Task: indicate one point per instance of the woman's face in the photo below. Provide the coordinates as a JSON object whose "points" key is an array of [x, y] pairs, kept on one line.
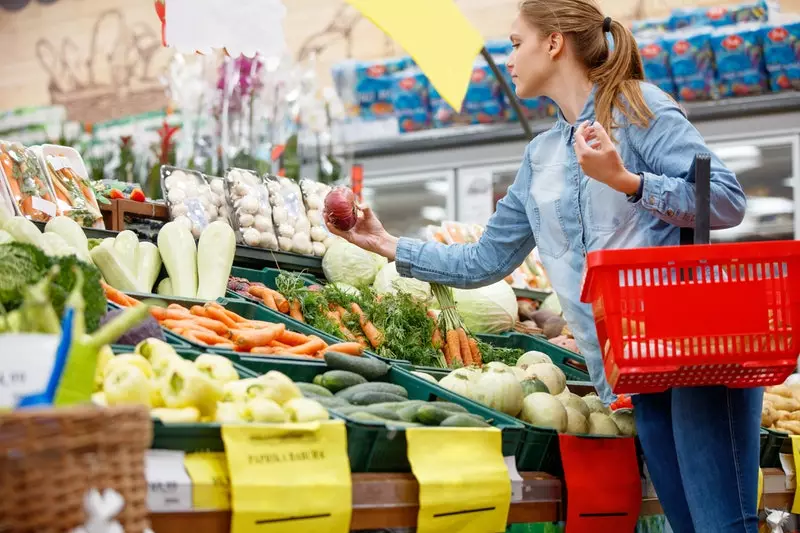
{"points": [[530, 63]]}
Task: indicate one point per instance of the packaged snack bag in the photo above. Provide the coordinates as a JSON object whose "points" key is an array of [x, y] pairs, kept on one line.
{"points": [[750, 12], [650, 25], [410, 100], [781, 41], [27, 182], [482, 104], [739, 58], [655, 59], [692, 62], [370, 85]]}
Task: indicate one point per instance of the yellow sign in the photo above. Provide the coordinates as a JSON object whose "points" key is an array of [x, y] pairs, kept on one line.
{"points": [[436, 34], [287, 478], [464, 486], [796, 454], [760, 488], [211, 488]]}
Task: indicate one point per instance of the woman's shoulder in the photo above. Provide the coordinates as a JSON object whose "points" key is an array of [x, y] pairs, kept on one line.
{"points": [[546, 147], [656, 99]]}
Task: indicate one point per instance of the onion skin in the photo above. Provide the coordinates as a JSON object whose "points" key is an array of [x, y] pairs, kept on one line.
{"points": [[340, 209]]}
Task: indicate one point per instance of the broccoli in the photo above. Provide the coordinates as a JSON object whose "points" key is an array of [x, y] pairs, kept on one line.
{"points": [[22, 265]]}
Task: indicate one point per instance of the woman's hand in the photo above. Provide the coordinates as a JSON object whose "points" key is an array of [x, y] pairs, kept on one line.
{"points": [[369, 234], [600, 160]]}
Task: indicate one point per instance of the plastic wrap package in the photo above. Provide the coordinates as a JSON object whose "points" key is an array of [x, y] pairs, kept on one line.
{"points": [[739, 58], [69, 179], [188, 198], [250, 209], [692, 63], [781, 40], [28, 184], [218, 198], [314, 193], [6, 203], [289, 216]]}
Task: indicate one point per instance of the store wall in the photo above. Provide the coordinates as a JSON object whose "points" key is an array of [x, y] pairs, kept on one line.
{"points": [[102, 58]]}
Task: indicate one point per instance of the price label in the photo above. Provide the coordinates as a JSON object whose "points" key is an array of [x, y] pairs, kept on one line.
{"points": [[464, 486], [22, 376], [169, 487], [289, 477], [516, 479], [45, 206], [211, 487]]}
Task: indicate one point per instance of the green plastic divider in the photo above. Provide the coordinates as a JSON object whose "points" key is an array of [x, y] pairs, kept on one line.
{"points": [[194, 437], [374, 448]]}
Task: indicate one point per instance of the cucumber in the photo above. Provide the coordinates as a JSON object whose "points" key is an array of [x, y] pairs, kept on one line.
{"points": [[366, 418], [463, 421], [369, 398], [331, 403], [373, 387], [336, 380], [311, 388], [393, 424], [430, 415], [409, 413], [386, 414], [452, 407], [398, 406], [317, 380], [371, 369]]}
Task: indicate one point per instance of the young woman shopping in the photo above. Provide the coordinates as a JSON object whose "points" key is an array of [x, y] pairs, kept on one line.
{"points": [[614, 172]]}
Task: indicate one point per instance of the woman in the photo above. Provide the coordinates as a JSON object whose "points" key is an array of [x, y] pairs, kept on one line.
{"points": [[614, 172]]}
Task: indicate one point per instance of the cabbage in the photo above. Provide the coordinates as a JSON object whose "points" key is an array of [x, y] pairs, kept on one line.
{"points": [[552, 304], [388, 281], [491, 309], [347, 263]]}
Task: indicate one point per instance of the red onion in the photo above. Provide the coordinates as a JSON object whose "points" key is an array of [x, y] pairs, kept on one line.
{"points": [[340, 208]]}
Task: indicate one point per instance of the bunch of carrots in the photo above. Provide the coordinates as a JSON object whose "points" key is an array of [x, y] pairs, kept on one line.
{"points": [[213, 325], [458, 346], [269, 297]]}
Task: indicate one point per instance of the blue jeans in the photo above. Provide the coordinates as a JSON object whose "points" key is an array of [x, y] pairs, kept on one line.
{"points": [[701, 446]]}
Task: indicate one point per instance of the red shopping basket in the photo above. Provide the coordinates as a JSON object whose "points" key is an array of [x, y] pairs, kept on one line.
{"points": [[684, 316]]}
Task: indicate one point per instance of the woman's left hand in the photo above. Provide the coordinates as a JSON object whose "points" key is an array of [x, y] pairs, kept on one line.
{"points": [[599, 159]]}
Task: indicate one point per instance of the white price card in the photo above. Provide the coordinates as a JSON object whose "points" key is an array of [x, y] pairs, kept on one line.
{"points": [[516, 479], [169, 487], [45, 206], [24, 375]]}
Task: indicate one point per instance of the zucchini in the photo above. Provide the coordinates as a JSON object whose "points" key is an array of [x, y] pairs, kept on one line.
{"points": [[369, 398], [312, 388], [452, 407], [463, 421], [336, 380], [430, 415], [371, 369], [373, 387], [409, 413], [317, 380]]}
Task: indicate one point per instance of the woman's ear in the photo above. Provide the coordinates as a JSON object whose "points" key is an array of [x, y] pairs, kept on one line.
{"points": [[555, 44]]}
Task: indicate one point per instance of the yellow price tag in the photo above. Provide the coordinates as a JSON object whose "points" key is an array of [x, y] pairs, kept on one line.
{"points": [[760, 488], [464, 485], [796, 454], [289, 477], [211, 488]]}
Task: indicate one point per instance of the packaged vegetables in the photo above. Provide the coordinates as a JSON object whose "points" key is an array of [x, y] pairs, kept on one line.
{"points": [[189, 199], [314, 193], [251, 211], [289, 216], [28, 184], [75, 197]]}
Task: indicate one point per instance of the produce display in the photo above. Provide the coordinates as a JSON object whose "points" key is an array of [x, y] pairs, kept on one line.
{"points": [[535, 390], [781, 407], [314, 195], [207, 389], [28, 185], [289, 216], [251, 211], [74, 194], [190, 199]]}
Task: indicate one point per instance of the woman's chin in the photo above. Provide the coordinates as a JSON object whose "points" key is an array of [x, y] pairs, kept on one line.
{"points": [[524, 93]]}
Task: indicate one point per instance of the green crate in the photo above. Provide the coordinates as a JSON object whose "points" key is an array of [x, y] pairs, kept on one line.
{"points": [[762, 445], [250, 257], [266, 276], [374, 448], [777, 442], [195, 437]]}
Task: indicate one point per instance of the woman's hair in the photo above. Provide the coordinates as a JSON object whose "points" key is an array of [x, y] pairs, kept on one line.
{"points": [[616, 74]]}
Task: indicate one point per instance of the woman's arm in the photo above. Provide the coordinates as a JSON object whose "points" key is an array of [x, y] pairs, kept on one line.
{"points": [[504, 245]]}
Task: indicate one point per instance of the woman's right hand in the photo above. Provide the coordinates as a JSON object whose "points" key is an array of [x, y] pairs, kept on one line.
{"points": [[369, 234]]}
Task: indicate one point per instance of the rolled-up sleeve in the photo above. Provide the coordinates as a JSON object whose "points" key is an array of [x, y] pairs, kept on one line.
{"points": [[504, 245]]}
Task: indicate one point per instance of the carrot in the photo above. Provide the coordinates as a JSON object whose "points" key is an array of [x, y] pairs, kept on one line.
{"points": [[463, 344], [295, 311], [311, 347], [336, 319], [209, 338], [436, 338], [250, 338], [223, 346], [292, 338], [349, 348], [263, 350], [197, 310], [278, 344], [233, 316], [269, 301], [116, 296], [160, 314], [257, 290], [476, 353], [214, 325], [453, 349], [188, 325], [374, 336], [220, 315], [178, 307], [280, 301]]}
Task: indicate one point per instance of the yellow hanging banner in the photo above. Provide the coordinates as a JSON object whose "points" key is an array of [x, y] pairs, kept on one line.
{"points": [[464, 486], [436, 34], [211, 488], [287, 478]]}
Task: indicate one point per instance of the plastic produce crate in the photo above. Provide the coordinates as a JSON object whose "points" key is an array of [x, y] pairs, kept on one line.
{"points": [[250, 257], [777, 442], [194, 437], [374, 448]]}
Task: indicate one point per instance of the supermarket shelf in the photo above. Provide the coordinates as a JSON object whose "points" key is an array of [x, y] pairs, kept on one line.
{"points": [[460, 137], [91, 233], [390, 501]]}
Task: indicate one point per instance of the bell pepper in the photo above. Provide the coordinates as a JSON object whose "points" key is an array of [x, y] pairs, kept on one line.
{"points": [[127, 385], [185, 386], [237, 391], [103, 357], [115, 194], [231, 413], [185, 415], [264, 410], [305, 410], [128, 359], [277, 387], [138, 196], [160, 354], [217, 367]]}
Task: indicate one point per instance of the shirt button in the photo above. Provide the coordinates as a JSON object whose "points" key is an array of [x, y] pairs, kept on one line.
{"points": [[652, 200]]}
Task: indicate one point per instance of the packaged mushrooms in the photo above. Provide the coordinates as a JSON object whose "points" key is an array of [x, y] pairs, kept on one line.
{"points": [[251, 212], [188, 198], [314, 193], [218, 198], [289, 216]]}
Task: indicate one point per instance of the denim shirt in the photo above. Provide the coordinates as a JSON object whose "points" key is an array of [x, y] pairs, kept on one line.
{"points": [[552, 204]]}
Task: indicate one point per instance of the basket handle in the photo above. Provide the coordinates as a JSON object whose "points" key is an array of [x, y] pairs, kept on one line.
{"points": [[701, 233]]}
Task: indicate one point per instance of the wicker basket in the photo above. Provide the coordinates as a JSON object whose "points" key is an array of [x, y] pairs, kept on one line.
{"points": [[50, 458]]}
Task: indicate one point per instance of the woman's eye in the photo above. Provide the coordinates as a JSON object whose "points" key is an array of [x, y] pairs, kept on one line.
{"points": [[515, 46]]}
